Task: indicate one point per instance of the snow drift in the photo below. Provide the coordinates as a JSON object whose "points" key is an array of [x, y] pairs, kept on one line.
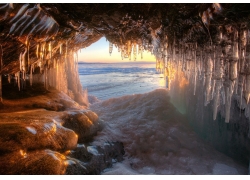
{"points": [[156, 138]]}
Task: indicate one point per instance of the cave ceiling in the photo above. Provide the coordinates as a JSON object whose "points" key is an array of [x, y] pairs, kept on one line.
{"points": [[75, 26]]}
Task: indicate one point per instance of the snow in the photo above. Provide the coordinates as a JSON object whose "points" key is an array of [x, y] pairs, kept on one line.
{"points": [[156, 138]]}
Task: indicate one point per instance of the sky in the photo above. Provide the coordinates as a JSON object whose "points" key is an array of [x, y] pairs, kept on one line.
{"points": [[99, 52]]}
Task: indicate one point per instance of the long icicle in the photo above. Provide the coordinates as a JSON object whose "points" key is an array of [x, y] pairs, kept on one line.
{"points": [[37, 51], [28, 52], [31, 74], [9, 78], [60, 48], [195, 71]]}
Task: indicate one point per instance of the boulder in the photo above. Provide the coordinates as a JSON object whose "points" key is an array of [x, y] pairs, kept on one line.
{"points": [[84, 123], [24, 131]]}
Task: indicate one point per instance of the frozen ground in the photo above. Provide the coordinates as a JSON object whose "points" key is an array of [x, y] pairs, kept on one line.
{"points": [[156, 138]]}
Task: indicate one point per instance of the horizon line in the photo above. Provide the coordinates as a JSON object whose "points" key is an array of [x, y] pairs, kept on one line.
{"points": [[84, 62]]}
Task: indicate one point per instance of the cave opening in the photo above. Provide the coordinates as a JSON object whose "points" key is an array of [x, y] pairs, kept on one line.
{"points": [[53, 110]]}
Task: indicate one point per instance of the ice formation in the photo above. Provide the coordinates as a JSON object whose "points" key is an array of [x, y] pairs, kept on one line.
{"points": [[53, 58], [223, 65]]}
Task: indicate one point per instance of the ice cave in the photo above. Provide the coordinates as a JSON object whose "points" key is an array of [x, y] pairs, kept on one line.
{"points": [[49, 125]]}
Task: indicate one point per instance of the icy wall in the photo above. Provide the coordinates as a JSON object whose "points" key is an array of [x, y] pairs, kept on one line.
{"points": [[210, 84]]}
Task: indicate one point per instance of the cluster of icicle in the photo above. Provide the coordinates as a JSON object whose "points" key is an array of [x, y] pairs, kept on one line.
{"points": [[223, 67], [132, 47], [60, 72], [58, 65]]}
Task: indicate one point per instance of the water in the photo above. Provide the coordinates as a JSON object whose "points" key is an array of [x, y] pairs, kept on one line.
{"points": [[108, 80]]}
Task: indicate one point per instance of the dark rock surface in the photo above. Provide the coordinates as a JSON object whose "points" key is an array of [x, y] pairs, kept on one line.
{"points": [[95, 158], [85, 124]]}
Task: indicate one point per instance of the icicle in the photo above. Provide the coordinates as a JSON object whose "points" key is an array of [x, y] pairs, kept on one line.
{"points": [[23, 79], [229, 92], [223, 95], [20, 12], [247, 91], [208, 74], [212, 89], [31, 74], [24, 64], [18, 79], [66, 49], [20, 62], [173, 49], [60, 48], [241, 84], [216, 98], [44, 51], [50, 49], [233, 70], [9, 78], [37, 51], [110, 48], [28, 52], [135, 51], [195, 74], [46, 77]]}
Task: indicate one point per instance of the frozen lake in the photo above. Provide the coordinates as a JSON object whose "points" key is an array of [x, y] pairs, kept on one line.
{"points": [[108, 80]]}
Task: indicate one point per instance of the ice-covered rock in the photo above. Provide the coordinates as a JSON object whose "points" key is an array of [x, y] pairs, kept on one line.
{"points": [[85, 123], [34, 129]]}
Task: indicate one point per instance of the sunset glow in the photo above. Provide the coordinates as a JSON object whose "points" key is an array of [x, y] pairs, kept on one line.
{"points": [[99, 52]]}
